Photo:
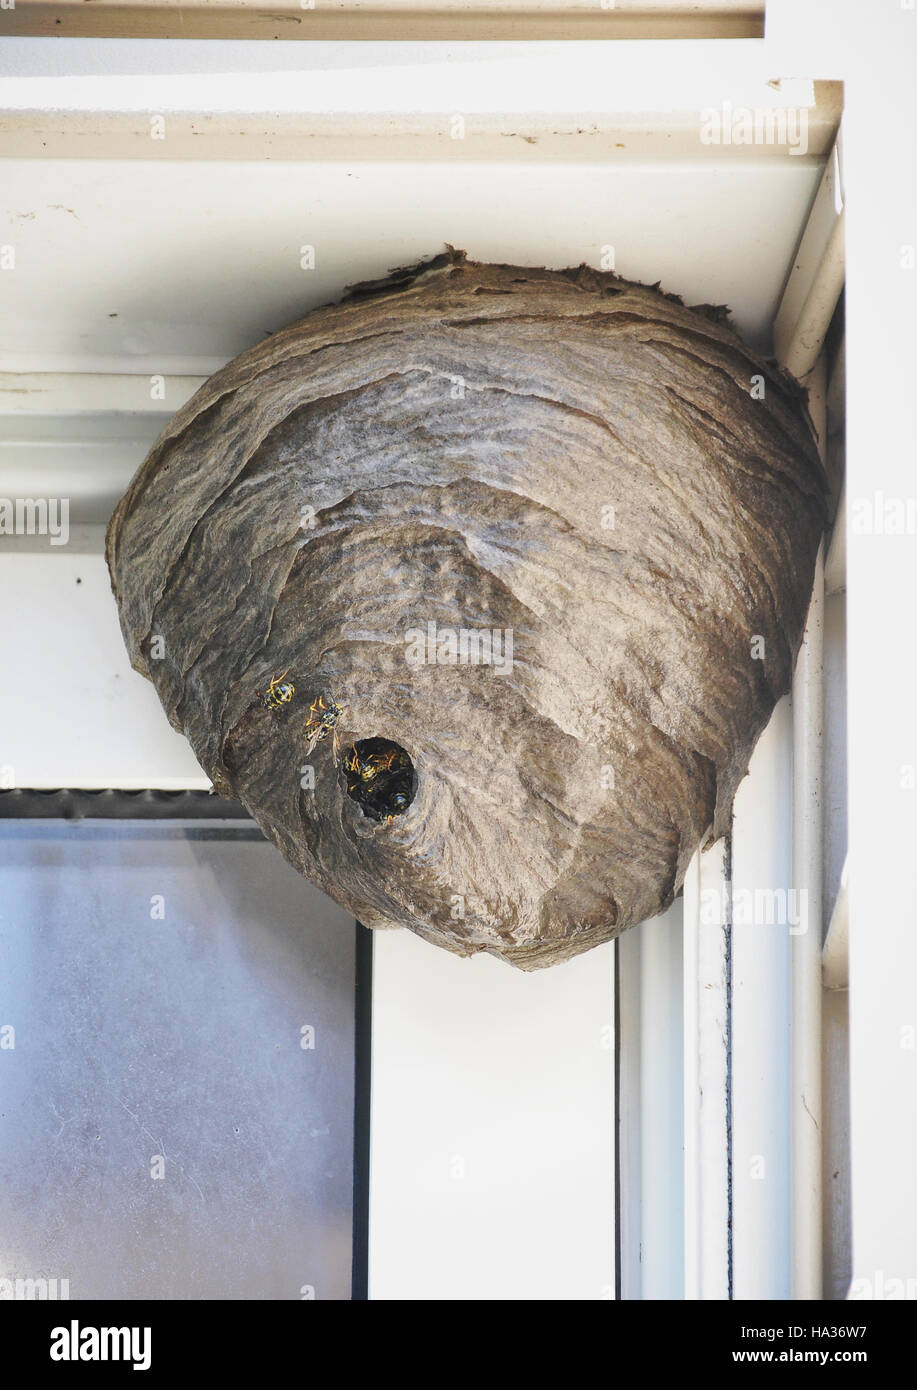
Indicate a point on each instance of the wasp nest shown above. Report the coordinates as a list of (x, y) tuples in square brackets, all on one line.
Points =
[(477, 590)]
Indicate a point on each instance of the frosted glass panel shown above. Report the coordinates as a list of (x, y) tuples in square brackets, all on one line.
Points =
[(176, 1065)]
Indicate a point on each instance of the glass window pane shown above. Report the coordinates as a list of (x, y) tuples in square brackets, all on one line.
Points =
[(176, 1107)]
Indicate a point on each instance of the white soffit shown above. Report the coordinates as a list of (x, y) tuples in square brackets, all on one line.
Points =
[(138, 257), (128, 258), (173, 268)]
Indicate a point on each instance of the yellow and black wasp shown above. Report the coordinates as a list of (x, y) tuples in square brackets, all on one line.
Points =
[(369, 767), (279, 693), (323, 718)]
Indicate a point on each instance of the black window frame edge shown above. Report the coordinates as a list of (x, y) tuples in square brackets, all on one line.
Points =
[(154, 804)]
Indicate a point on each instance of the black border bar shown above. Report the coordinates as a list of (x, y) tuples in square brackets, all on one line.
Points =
[(112, 803)]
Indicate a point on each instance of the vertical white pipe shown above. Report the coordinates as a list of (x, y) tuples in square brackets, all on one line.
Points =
[(691, 1025), (706, 1075), (806, 940), (630, 1139), (661, 1106), (761, 850)]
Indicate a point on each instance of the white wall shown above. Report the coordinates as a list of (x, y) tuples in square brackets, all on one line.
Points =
[(72, 712), (493, 1126), (882, 662)]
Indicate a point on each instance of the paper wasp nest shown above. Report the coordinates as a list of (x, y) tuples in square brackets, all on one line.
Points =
[(477, 590)]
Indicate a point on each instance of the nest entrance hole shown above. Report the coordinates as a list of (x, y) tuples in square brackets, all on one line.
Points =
[(380, 777)]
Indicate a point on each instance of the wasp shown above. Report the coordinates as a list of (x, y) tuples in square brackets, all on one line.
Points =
[(322, 721), (399, 802), (279, 692), (371, 766)]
